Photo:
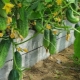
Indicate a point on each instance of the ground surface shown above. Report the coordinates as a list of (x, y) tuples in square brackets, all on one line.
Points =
[(57, 67)]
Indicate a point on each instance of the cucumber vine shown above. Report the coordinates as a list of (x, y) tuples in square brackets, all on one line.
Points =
[(17, 17)]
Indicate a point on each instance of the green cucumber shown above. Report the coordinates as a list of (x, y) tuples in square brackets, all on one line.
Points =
[(77, 45), (4, 48), (53, 43), (70, 16), (22, 25), (13, 75), (77, 26), (38, 27), (46, 39), (18, 60)]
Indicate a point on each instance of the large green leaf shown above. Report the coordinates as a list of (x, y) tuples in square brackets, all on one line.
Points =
[(2, 11), (3, 23), (5, 1), (34, 15)]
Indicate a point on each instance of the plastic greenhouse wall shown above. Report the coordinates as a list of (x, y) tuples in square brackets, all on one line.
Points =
[(36, 51)]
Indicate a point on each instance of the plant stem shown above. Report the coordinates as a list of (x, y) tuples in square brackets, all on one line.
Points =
[(28, 39), (75, 11)]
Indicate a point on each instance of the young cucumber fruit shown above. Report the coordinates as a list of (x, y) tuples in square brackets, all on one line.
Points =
[(18, 60), (4, 48), (77, 26), (70, 16), (46, 39), (13, 75), (53, 42)]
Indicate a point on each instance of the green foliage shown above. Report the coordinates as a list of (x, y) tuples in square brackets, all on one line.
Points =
[(48, 0), (2, 11), (22, 13), (5, 1), (3, 23)]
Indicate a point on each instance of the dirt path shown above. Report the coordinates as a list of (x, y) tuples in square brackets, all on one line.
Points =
[(57, 67)]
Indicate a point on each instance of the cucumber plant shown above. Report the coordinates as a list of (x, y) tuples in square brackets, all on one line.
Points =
[(17, 17)]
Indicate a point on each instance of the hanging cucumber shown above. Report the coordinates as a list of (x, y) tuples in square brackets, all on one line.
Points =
[(53, 43), (38, 27), (4, 48), (13, 75), (46, 39), (22, 24), (70, 16), (77, 26), (77, 45), (18, 60)]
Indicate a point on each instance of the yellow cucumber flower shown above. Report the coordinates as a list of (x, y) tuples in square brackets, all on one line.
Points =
[(67, 37), (8, 27), (12, 35), (8, 7), (19, 49), (59, 2), (55, 32), (19, 5), (1, 34), (9, 20), (25, 50), (57, 19), (50, 5), (48, 26), (55, 14), (22, 38)]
